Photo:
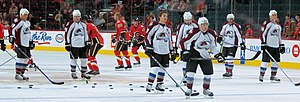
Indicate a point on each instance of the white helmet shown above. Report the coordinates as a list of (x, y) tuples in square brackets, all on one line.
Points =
[(24, 11), (202, 20), (272, 12), (230, 16), (76, 13), (187, 16)]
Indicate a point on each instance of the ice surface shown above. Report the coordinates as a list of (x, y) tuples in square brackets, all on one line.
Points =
[(244, 87)]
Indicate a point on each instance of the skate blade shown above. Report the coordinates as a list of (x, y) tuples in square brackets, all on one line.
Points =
[(129, 69), (158, 92), (119, 69), (273, 81), (137, 65), (208, 97), (227, 77)]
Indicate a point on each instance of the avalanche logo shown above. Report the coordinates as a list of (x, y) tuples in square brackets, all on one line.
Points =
[(162, 36), (59, 38)]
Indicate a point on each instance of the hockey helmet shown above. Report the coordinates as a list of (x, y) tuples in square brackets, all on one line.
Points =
[(187, 16), (230, 16), (24, 11)]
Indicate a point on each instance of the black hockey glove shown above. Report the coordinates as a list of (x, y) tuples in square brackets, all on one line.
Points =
[(219, 39), (263, 46), (68, 47), (3, 46), (282, 48), (243, 46), (185, 55), (88, 44), (131, 40), (114, 39), (11, 39), (31, 45), (174, 55), (149, 50), (219, 57)]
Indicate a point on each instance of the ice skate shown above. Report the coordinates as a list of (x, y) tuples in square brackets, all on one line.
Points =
[(84, 75), (149, 87), (208, 94), (227, 75), (274, 80), (119, 68), (159, 88), (73, 75)]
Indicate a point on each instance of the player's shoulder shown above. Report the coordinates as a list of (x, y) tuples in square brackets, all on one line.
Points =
[(266, 22), (212, 32), (238, 25), (69, 23)]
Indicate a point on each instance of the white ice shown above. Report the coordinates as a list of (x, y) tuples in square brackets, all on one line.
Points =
[(244, 87)]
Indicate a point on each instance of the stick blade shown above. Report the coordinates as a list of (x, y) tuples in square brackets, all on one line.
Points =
[(57, 83), (256, 55), (298, 84)]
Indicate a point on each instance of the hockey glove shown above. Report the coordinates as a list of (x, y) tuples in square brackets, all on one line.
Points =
[(31, 45), (282, 48), (174, 55), (185, 55), (219, 57), (11, 39), (88, 44), (263, 46), (68, 47), (113, 39), (219, 40), (149, 50), (131, 40), (243, 46), (3, 46)]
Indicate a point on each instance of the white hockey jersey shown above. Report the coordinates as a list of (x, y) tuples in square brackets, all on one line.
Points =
[(183, 30), (231, 35), (202, 42), (21, 32), (76, 34), (160, 37), (271, 34)]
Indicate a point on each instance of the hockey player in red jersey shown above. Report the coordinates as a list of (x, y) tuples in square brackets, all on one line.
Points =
[(21, 38), (271, 42), (96, 44), (137, 36), (3, 46), (232, 37), (77, 43), (122, 40)]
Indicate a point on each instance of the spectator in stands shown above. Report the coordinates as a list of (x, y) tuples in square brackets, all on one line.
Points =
[(6, 26), (201, 8), (37, 27), (13, 9), (249, 31), (181, 6), (4, 8), (174, 5), (150, 19), (58, 18), (20, 6), (289, 26), (297, 30), (163, 6), (5, 17)]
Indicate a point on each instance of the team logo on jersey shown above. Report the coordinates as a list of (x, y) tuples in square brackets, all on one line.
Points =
[(203, 45), (78, 32), (274, 32), (162, 36), (229, 34), (26, 30)]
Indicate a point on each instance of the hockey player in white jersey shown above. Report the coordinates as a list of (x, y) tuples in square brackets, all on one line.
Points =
[(159, 46), (77, 43), (232, 38), (21, 37), (189, 26), (271, 41), (197, 46)]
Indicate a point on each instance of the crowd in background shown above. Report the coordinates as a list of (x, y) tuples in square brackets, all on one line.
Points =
[(54, 14)]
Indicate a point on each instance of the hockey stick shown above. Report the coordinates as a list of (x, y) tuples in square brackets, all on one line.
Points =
[(73, 58), (253, 58), (37, 67), (8, 60), (241, 46), (10, 55), (274, 61), (195, 94)]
